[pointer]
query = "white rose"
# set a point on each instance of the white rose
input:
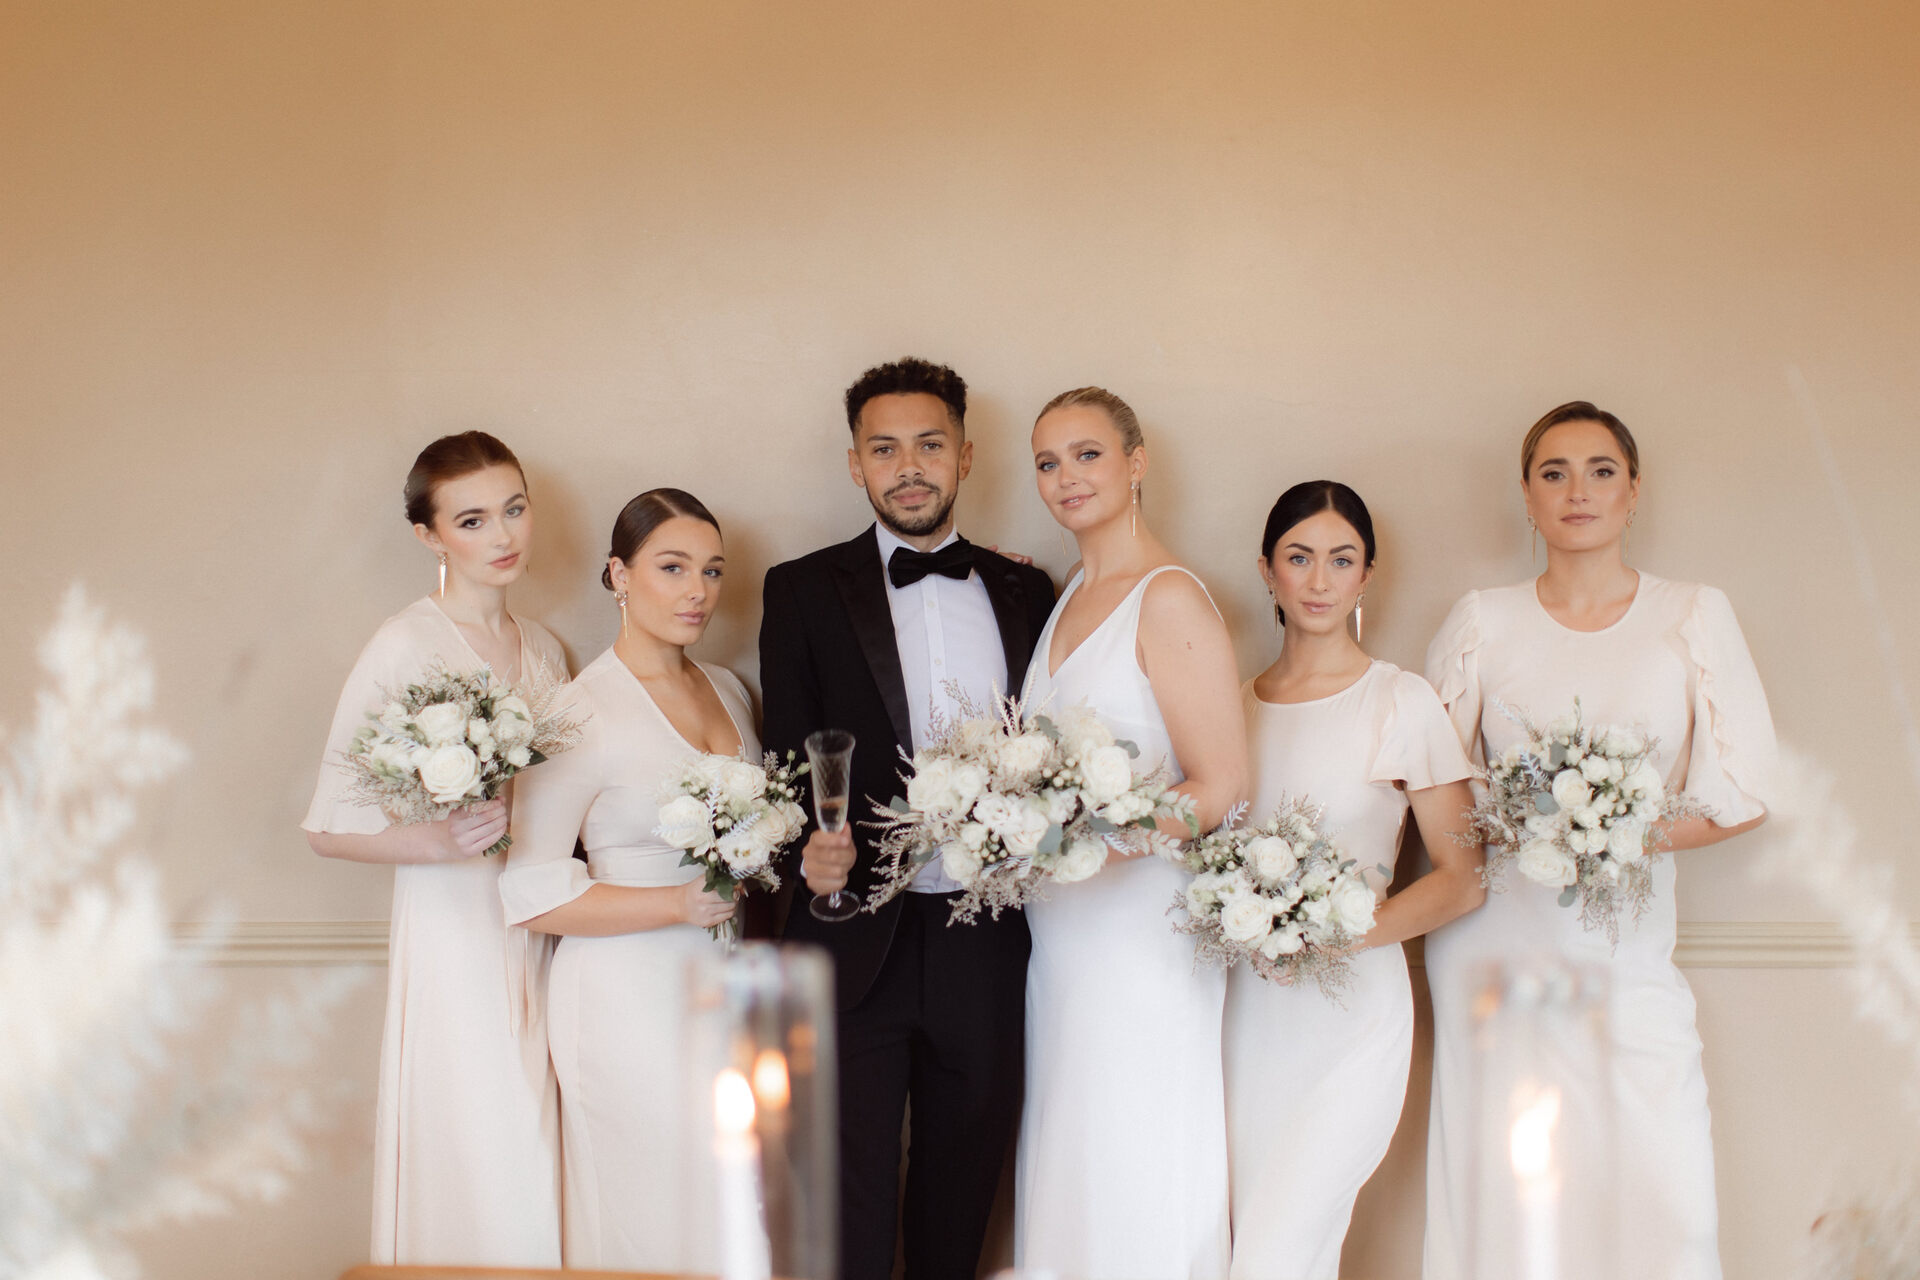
(1317, 911)
(748, 848)
(1127, 808)
(1570, 790)
(1594, 769)
(1627, 842)
(1353, 906)
(1106, 772)
(1061, 804)
(704, 771)
(1586, 817)
(1081, 732)
(685, 824)
(1644, 782)
(1317, 881)
(1283, 942)
(1540, 825)
(392, 758)
(1246, 919)
(1082, 859)
(519, 757)
(740, 783)
(961, 862)
(485, 750)
(441, 723)
(1023, 832)
(1271, 857)
(931, 791)
(973, 835)
(968, 781)
(1619, 742)
(512, 720)
(1021, 758)
(1544, 862)
(450, 774)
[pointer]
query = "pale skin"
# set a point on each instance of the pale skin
(908, 456)
(672, 583)
(483, 524)
(1316, 573)
(1581, 496)
(1088, 480)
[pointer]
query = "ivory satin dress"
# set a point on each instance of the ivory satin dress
(1676, 666)
(1122, 1166)
(1314, 1086)
(615, 1004)
(466, 1150)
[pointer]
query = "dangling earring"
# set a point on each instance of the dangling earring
(620, 598)
(1279, 618)
(443, 575)
(1628, 532)
(1533, 541)
(1359, 617)
(1136, 508)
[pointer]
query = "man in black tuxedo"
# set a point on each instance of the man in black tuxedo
(868, 636)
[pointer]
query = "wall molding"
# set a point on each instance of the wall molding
(284, 944)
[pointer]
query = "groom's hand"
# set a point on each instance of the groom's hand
(826, 860)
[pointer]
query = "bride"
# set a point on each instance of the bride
(1122, 1171)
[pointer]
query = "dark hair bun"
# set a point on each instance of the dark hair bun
(1310, 499)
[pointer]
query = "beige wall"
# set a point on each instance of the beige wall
(252, 256)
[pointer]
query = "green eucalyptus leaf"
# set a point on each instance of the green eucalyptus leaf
(1050, 842)
(1544, 803)
(1047, 727)
(1568, 894)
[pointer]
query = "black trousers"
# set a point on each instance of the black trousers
(943, 1025)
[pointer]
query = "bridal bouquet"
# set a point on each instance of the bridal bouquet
(1279, 895)
(1012, 801)
(1574, 807)
(731, 816)
(454, 739)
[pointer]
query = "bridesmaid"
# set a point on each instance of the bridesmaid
(630, 915)
(466, 1131)
(1313, 1087)
(1669, 658)
(1122, 1166)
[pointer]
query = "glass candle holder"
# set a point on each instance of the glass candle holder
(762, 1114)
(1545, 1206)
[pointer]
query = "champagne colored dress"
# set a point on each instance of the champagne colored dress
(466, 1150)
(615, 1005)
(1122, 1167)
(1314, 1086)
(1676, 666)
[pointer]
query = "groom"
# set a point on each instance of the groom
(870, 636)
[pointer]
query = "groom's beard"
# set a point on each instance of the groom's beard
(913, 524)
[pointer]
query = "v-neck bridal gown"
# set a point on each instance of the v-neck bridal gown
(1122, 1171)
(466, 1148)
(615, 1004)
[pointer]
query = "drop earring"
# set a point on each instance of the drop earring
(620, 598)
(443, 575)
(1359, 617)
(1533, 541)
(1136, 508)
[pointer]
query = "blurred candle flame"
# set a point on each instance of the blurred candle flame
(733, 1107)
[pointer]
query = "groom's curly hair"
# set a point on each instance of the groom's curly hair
(909, 376)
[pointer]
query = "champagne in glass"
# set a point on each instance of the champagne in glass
(830, 755)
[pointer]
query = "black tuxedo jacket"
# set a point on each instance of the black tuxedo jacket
(829, 660)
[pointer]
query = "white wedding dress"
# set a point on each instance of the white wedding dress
(1122, 1171)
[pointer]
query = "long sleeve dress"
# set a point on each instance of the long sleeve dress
(466, 1152)
(1676, 666)
(1314, 1086)
(615, 1004)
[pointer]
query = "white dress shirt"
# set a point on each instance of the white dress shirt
(947, 635)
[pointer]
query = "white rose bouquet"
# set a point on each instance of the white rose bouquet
(1012, 801)
(454, 739)
(731, 816)
(1576, 808)
(1279, 895)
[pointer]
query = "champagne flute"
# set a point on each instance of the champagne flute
(830, 753)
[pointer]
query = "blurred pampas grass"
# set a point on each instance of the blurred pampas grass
(1817, 849)
(115, 1112)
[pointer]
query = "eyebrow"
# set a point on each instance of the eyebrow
(1598, 457)
(678, 554)
(1301, 546)
(480, 511)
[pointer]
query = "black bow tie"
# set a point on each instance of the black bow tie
(907, 566)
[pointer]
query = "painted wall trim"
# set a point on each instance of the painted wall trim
(252, 944)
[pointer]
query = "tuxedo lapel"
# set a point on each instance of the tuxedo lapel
(1008, 597)
(858, 575)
